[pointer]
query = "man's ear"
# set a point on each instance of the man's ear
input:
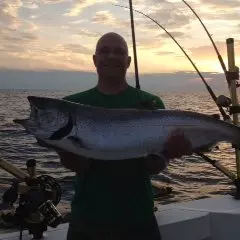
(94, 60)
(129, 61)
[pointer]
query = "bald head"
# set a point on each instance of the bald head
(112, 37)
(111, 59)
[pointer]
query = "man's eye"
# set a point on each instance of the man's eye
(119, 52)
(104, 51)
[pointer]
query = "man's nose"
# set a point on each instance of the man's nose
(112, 54)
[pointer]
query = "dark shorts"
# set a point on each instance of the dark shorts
(146, 232)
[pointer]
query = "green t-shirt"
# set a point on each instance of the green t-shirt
(114, 193)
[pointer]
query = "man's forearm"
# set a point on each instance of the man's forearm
(154, 164)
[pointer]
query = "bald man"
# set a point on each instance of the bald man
(113, 199)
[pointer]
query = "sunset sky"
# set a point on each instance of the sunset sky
(61, 34)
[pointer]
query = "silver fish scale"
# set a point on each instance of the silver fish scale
(49, 121)
(113, 130)
(121, 134)
(114, 134)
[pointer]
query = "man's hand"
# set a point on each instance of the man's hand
(177, 145)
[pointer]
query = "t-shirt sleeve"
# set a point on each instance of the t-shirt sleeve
(158, 103)
(73, 98)
(68, 98)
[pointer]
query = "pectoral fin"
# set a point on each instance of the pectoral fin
(63, 131)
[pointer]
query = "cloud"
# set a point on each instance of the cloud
(21, 38)
(80, 5)
(34, 16)
(16, 42)
(216, 9)
(77, 48)
(42, 59)
(16, 45)
(9, 13)
(164, 53)
(60, 56)
(168, 20)
(175, 34)
(29, 26)
(30, 5)
(169, 15)
(31, 34)
(107, 18)
(149, 43)
(78, 21)
(11, 48)
(207, 52)
(219, 15)
(53, 1)
(87, 33)
(222, 3)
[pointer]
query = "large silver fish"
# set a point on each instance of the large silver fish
(115, 134)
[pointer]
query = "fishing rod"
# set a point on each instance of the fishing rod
(33, 198)
(224, 115)
(211, 39)
(219, 166)
(233, 73)
(134, 45)
(215, 163)
(153, 183)
(231, 76)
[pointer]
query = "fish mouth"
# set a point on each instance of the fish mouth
(22, 122)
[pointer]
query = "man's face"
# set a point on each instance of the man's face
(111, 58)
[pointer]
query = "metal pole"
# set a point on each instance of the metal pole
(134, 45)
(233, 91)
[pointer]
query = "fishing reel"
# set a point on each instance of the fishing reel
(227, 102)
(36, 199)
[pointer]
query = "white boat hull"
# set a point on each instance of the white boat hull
(214, 218)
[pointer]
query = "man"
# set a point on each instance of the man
(113, 199)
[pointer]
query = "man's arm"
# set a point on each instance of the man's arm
(69, 160)
(155, 163)
(74, 162)
(176, 146)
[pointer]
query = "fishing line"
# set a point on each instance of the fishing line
(134, 45)
(211, 39)
(224, 115)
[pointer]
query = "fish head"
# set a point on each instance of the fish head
(46, 117)
(40, 102)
